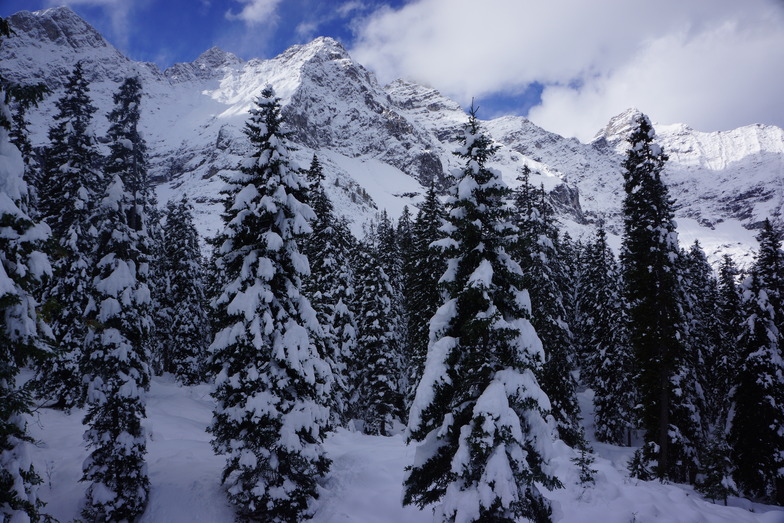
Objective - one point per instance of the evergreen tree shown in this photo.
(331, 284)
(478, 418)
(376, 370)
(536, 250)
(182, 300)
(702, 293)
(608, 359)
(162, 328)
(73, 184)
(116, 357)
(272, 388)
(757, 427)
(22, 332)
(20, 136)
(423, 268)
(658, 327)
(717, 483)
(729, 326)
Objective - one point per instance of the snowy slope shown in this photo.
(365, 482)
(376, 138)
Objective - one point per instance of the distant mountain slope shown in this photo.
(404, 133)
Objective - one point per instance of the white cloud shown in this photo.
(255, 11)
(710, 64)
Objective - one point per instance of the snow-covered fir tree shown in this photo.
(729, 324)
(330, 286)
(23, 334)
(423, 297)
(479, 416)
(608, 359)
(701, 291)
(272, 387)
(116, 360)
(658, 326)
(182, 302)
(20, 136)
(757, 424)
(537, 252)
(73, 184)
(376, 369)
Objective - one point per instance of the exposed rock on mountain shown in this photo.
(382, 145)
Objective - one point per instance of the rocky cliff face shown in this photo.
(382, 145)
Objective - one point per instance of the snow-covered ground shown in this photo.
(364, 485)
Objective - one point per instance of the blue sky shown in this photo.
(569, 65)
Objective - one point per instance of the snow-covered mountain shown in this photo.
(381, 145)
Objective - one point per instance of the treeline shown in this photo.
(473, 323)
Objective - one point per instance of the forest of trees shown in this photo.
(472, 321)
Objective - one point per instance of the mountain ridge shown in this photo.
(194, 113)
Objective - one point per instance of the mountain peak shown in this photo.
(619, 127)
(216, 57)
(59, 25)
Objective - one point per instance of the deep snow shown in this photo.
(365, 483)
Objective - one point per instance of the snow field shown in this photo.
(365, 481)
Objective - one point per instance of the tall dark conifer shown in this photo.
(73, 185)
(478, 407)
(608, 360)
(376, 367)
(424, 267)
(182, 301)
(757, 426)
(272, 387)
(116, 356)
(537, 252)
(658, 326)
(330, 286)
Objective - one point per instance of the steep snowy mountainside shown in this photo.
(58, 38)
(194, 113)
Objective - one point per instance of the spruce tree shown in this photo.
(702, 293)
(73, 185)
(330, 286)
(608, 360)
(182, 301)
(757, 427)
(423, 268)
(658, 327)
(376, 370)
(116, 357)
(272, 387)
(537, 252)
(23, 334)
(729, 325)
(478, 418)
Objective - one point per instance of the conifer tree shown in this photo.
(272, 387)
(376, 370)
(729, 326)
(702, 295)
(425, 266)
(73, 184)
(116, 357)
(330, 286)
(23, 334)
(478, 418)
(536, 250)
(182, 301)
(609, 360)
(757, 427)
(658, 327)
(20, 137)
